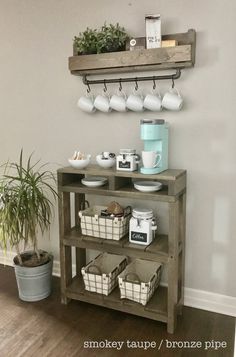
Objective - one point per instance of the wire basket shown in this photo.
(139, 280)
(100, 275)
(93, 224)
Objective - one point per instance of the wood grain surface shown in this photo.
(47, 328)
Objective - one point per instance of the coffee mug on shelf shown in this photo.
(150, 159)
(172, 100)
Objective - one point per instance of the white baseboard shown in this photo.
(199, 299)
(207, 300)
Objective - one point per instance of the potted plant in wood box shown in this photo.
(110, 38)
(86, 42)
(26, 203)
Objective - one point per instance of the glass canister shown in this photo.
(142, 226)
(127, 160)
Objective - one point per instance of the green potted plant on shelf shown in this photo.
(112, 38)
(86, 42)
(26, 204)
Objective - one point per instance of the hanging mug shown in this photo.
(153, 101)
(86, 103)
(172, 99)
(135, 101)
(102, 102)
(118, 101)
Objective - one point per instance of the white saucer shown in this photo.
(94, 181)
(147, 186)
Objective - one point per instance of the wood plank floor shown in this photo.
(47, 328)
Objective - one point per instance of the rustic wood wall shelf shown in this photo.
(181, 56)
(169, 249)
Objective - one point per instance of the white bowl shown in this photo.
(80, 164)
(105, 163)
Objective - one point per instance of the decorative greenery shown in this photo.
(25, 206)
(109, 38)
(86, 42)
(112, 38)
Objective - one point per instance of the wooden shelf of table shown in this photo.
(156, 308)
(181, 56)
(156, 251)
(166, 249)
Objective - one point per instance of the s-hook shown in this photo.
(136, 84)
(173, 81)
(120, 86)
(154, 83)
(105, 86)
(88, 89)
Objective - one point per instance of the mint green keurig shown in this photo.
(155, 134)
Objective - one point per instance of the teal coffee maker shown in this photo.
(155, 134)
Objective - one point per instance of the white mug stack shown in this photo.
(136, 102)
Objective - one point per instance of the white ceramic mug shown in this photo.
(102, 102)
(86, 103)
(150, 159)
(153, 101)
(118, 102)
(135, 102)
(172, 100)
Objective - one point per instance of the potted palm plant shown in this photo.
(26, 205)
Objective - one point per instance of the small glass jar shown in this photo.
(142, 226)
(127, 160)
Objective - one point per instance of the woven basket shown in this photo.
(93, 224)
(100, 275)
(139, 280)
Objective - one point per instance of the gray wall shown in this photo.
(38, 110)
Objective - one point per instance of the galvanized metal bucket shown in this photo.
(34, 283)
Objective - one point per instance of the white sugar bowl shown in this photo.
(105, 162)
